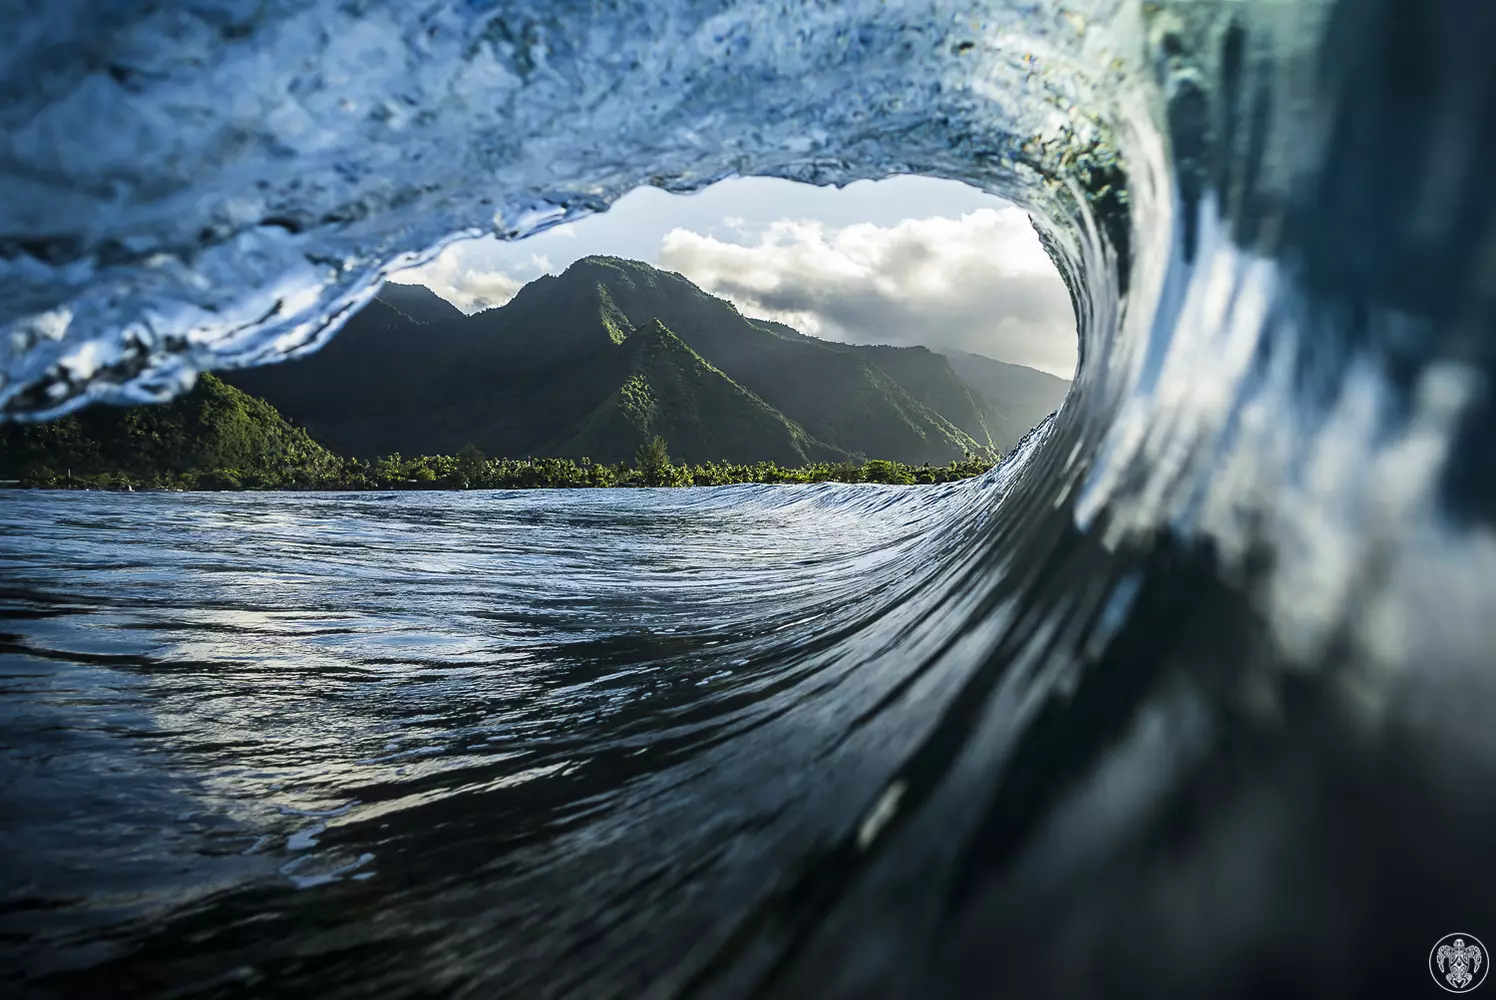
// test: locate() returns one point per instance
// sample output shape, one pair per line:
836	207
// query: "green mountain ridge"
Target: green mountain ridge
672	392
213	429
595	361
837	395
1015	391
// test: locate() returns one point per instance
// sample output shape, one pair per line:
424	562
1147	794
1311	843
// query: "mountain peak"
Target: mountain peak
627	264
631	273
419	303
612	348
609	259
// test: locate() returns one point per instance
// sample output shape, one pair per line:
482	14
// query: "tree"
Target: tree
653	460
881	470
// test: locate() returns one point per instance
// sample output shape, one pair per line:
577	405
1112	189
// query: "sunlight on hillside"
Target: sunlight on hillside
904	261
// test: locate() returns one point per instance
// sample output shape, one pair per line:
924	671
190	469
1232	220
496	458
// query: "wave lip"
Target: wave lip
157	227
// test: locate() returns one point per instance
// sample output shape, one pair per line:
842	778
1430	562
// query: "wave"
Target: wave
1191	696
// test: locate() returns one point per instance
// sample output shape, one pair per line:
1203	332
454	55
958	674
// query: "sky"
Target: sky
908	260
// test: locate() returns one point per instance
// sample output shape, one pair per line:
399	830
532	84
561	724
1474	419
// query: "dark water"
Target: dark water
226	715
1195	697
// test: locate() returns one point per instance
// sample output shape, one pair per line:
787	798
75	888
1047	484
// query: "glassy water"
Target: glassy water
226	713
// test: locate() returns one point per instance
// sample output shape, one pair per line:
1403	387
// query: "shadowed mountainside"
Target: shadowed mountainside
1013	391
612	352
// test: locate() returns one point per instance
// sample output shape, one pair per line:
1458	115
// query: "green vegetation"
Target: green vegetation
598	367
652	467
218	438
214	437
466	472
599	359
671	391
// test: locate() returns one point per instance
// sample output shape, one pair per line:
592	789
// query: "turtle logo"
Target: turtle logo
1459	962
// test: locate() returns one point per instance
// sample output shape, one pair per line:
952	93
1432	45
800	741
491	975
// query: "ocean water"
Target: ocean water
1192	696
218	708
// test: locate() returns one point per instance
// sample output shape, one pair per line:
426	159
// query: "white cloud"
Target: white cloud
467	287
908	260
980	282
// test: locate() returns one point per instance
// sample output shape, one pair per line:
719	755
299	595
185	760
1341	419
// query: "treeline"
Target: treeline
216	437
470	470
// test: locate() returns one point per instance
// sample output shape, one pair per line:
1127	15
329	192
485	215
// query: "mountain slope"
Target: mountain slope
672	392
214	426
839	397
929	378
369	390
420	304
1023	396
553	371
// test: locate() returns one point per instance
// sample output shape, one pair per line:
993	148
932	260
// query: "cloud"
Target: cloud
980	283
469	288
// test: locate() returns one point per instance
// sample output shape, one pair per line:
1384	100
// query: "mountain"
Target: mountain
419	303
213	427
376	388
671	391
840	396
1022	396
595	361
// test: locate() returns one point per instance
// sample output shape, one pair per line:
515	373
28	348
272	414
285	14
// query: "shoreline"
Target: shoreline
455	473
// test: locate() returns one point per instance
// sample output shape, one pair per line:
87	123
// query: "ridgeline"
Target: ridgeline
625	374
612	353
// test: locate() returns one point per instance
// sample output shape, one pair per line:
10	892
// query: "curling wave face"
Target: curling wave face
1191	696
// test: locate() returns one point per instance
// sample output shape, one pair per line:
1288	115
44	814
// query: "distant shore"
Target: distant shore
472	472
